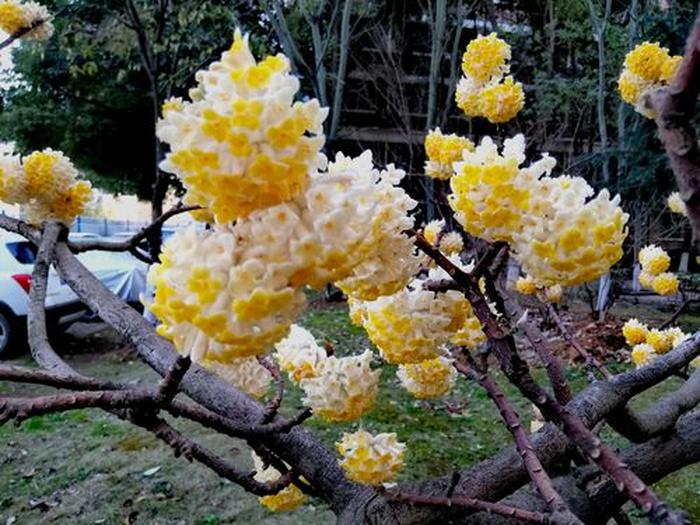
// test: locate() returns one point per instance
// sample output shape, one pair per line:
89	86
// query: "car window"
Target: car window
23	251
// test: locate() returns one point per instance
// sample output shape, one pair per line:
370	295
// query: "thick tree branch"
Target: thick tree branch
560	512
675	110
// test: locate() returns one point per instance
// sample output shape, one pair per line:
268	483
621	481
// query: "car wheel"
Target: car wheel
11	331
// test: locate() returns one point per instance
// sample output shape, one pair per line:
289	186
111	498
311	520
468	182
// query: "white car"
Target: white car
120	272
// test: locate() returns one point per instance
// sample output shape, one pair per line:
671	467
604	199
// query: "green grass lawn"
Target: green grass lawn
86	467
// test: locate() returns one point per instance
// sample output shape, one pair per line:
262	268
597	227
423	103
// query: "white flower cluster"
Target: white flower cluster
299	355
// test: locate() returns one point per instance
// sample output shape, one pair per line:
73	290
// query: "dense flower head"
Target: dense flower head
441	151
428	379
299	354
483	92
371	459
490	192
213	303
500	103
242	143
486	57
343	388
635	331
348	227
526	285
676	204
449	242
665	283
570	238
647	344
16	16
561	233
245	373
287	499
643	354
654	260
414	324
647	67
45	184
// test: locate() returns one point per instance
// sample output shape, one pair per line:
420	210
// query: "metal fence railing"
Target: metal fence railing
106	227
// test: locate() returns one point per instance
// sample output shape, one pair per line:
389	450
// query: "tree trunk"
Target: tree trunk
436	51
344	48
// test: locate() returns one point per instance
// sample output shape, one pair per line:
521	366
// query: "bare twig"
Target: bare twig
517	371
274	404
590	360
21	32
167	389
560	511
130	244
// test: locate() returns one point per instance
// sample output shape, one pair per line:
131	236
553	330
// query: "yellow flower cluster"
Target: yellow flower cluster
246	374
346	228
413	324
528	286
216	305
443	150
450	243
491	193
559	232
647	344
647	67
570	238
45	184
342	388
299	355
483	92
655	263
242	144
17	16
371	459
676	204
428	379
287	499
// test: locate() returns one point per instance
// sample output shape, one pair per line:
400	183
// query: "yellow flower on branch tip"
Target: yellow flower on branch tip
370	459
554	293
660	340
342	388
526	285
654	260
287	499
643	354
18	16
428	379
242	143
485	58
646	279
502	102
635	332
647	67
299	355
441	151
676	204
665	284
